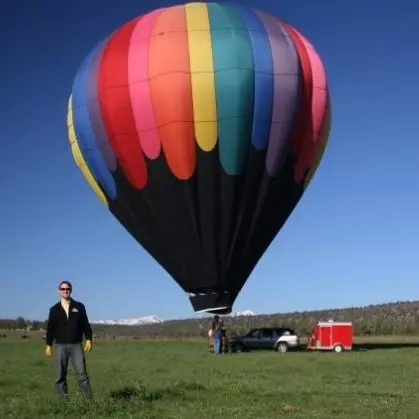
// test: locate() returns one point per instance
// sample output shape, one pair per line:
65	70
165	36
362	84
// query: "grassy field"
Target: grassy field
153	379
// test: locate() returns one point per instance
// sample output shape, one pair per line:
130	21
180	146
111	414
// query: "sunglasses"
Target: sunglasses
65	289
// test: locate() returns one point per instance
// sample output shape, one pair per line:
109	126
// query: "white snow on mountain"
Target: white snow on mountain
245	313
135	321
153	319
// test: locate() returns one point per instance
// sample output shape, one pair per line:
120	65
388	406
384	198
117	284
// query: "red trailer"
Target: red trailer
331	335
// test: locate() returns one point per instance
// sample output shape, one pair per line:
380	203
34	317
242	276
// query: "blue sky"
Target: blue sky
351	241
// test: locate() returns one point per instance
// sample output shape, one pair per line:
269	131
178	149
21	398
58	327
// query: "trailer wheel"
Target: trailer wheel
282	347
338	348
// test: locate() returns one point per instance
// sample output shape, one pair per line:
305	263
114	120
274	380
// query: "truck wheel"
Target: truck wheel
338	348
282	347
237	347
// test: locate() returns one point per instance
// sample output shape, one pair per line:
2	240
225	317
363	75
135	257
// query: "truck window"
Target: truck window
255	334
267	334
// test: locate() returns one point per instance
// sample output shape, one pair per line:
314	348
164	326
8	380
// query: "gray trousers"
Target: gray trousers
74	353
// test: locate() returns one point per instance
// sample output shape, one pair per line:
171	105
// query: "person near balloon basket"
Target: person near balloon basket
217	337
210	341
218	333
224	340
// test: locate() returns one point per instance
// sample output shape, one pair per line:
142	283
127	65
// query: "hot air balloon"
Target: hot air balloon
200	126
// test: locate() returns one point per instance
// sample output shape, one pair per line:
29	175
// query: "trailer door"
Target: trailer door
326	336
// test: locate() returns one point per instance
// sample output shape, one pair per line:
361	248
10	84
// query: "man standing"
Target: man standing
67	323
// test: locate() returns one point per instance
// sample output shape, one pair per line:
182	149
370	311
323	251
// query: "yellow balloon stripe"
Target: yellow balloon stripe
78	157
202	75
324	138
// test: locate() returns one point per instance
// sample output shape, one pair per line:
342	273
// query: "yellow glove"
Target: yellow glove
48	351
88	346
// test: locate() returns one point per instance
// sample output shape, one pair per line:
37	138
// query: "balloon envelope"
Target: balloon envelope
199	126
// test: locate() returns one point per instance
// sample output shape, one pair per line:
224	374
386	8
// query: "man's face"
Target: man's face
65	291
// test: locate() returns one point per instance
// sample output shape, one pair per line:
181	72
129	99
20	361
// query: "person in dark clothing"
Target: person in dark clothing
216	320
67	323
224	340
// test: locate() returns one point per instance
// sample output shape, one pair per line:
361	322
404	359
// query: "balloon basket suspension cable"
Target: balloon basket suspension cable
204	325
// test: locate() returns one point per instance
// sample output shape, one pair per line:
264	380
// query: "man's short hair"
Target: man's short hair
65	282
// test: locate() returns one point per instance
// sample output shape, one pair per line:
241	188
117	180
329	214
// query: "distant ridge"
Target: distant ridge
389	318
153	319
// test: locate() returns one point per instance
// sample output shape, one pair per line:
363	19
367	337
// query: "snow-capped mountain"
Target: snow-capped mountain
135	321
245	313
153	319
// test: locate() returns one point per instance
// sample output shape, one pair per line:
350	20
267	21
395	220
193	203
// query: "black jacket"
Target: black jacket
69	330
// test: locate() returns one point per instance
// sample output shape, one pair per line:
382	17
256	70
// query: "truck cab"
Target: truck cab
278	338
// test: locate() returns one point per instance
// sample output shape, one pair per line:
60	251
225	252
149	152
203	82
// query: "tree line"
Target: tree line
20	323
397	318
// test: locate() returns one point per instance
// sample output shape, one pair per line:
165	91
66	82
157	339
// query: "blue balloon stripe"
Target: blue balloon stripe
91	145
264	80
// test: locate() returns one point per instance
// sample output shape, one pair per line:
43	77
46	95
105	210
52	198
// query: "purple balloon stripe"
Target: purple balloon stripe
286	92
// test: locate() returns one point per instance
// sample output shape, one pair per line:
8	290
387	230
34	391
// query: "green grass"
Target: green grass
166	379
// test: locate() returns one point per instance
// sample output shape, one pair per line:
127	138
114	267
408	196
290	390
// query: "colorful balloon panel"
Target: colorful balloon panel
200	126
